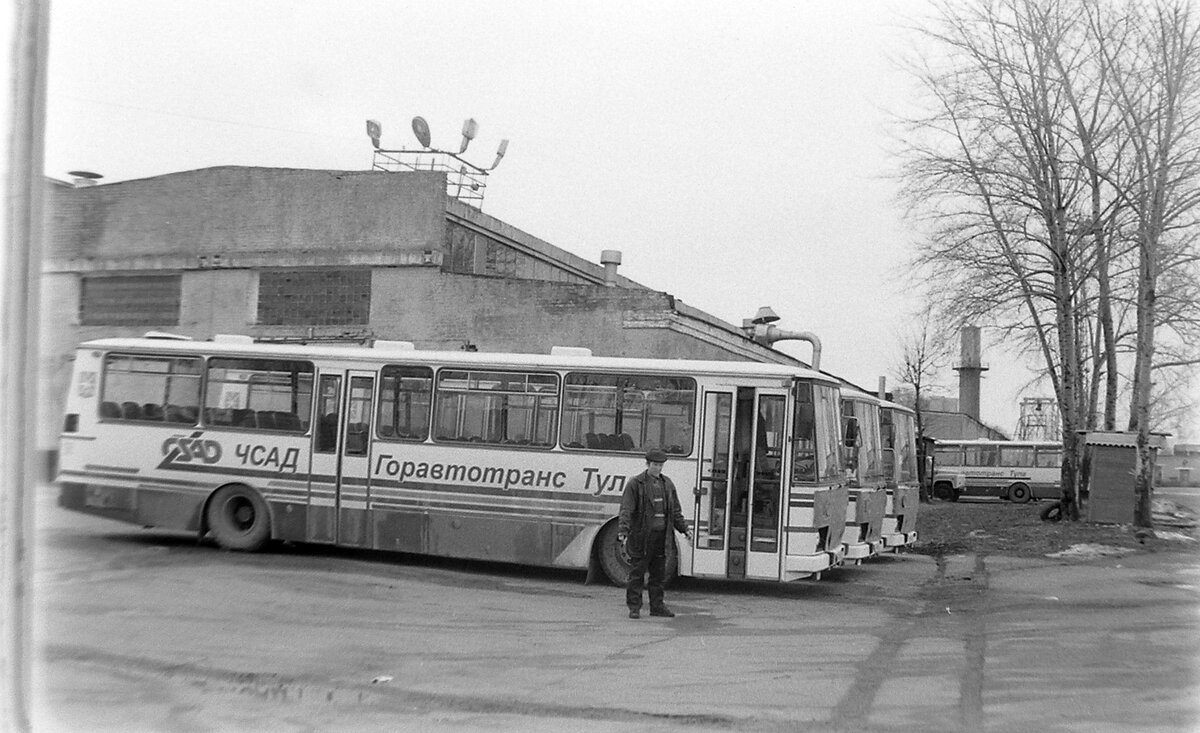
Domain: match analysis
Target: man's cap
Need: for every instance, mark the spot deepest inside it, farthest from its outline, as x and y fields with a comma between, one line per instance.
x=656, y=456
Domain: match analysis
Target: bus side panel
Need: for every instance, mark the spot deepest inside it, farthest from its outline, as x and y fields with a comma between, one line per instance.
x=103, y=501
x=289, y=520
x=169, y=509
x=398, y=531
x=531, y=542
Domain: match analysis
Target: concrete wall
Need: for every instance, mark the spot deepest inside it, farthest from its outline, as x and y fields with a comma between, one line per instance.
x=242, y=212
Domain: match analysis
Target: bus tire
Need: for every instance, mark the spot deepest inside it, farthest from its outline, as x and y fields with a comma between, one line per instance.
x=615, y=563
x=1052, y=513
x=238, y=518
x=610, y=551
x=1019, y=493
x=945, y=491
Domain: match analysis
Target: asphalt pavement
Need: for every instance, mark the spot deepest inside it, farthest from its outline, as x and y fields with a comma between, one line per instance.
x=141, y=630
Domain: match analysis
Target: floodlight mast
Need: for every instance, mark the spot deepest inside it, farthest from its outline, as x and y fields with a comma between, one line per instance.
x=471, y=178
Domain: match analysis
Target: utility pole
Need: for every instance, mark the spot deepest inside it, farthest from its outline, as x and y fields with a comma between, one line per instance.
x=21, y=265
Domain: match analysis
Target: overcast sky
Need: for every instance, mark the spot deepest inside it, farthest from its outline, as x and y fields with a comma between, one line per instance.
x=737, y=154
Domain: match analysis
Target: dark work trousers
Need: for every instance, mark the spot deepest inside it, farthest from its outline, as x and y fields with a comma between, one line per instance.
x=653, y=559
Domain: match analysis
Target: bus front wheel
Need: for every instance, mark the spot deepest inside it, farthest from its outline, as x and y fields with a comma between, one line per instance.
x=945, y=491
x=1019, y=493
x=238, y=518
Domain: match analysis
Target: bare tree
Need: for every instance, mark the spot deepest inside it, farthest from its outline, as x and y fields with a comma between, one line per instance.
x=994, y=172
x=1057, y=173
x=924, y=351
x=1155, y=88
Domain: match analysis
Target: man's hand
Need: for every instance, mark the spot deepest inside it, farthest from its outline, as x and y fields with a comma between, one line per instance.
x=688, y=534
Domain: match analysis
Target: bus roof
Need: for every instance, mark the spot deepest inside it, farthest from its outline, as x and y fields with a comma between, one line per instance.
x=394, y=352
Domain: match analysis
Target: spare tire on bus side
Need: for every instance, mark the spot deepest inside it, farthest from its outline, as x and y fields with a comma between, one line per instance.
x=238, y=518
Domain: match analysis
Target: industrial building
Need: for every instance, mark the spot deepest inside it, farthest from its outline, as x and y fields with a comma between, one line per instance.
x=319, y=255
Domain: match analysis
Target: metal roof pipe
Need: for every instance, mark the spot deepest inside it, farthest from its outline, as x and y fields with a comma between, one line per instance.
x=766, y=334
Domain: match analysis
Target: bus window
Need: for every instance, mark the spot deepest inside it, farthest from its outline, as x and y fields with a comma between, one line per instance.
x=152, y=388
x=405, y=396
x=358, y=412
x=328, y=417
x=980, y=455
x=829, y=440
x=1049, y=457
x=1020, y=457
x=948, y=455
x=804, y=433
x=500, y=408
x=628, y=412
x=263, y=394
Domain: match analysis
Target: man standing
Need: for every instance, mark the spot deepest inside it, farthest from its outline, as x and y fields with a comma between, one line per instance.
x=649, y=509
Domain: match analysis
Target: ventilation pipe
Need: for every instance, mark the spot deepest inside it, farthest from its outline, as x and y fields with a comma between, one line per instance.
x=610, y=258
x=762, y=332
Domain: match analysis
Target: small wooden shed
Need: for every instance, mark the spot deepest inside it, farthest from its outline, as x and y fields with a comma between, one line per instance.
x=1110, y=488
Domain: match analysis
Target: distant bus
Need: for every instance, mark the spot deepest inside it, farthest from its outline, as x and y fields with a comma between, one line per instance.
x=516, y=458
x=1010, y=469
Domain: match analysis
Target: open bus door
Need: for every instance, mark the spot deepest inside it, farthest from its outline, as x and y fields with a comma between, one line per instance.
x=739, y=488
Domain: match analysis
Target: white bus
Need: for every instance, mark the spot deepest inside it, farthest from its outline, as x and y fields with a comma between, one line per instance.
x=867, y=505
x=1010, y=469
x=515, y=458
x=898, y=425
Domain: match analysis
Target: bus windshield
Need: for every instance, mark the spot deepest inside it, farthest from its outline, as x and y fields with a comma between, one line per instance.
x=817, y=450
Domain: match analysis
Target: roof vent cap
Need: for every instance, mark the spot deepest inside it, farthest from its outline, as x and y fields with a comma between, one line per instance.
x=570, y=351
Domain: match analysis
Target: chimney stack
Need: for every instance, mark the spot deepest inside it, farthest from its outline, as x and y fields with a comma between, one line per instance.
x=970, y=371
x=610, y=258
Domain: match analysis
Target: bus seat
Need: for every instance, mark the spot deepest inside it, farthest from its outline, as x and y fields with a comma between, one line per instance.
x=388, y=431
x=243, y=418
x=110, y=409
x=151, y=411
x=218, y=416
x=179, y=414
x=610, y=441
x=131, y=411
x=626, y=441
x=592, y=440
x=265, y=419
x=288, y=421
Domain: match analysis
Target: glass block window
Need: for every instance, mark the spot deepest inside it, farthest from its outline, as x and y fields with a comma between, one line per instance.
x=129, y=300
x=324, y=297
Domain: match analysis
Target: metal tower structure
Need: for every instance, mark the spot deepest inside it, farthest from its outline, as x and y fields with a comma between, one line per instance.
x=465, y=180
x=1039, y=419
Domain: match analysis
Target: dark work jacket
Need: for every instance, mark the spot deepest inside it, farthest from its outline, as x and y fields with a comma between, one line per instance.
x=636, y=512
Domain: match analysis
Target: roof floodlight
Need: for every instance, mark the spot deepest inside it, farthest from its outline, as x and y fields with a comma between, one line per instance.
x=470, y=128
x=374, y=131
x=500, y=153
x=420, y=128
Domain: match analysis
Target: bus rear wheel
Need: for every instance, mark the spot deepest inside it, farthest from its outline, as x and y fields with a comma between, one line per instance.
x=614, y=560
x=1019, y=493
x=238, y=518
